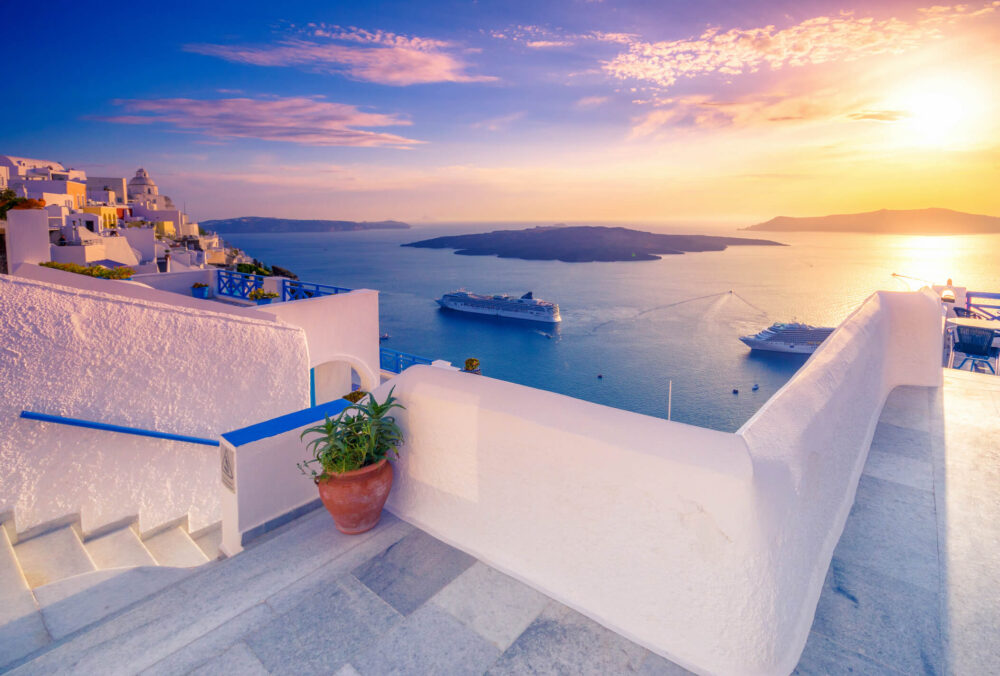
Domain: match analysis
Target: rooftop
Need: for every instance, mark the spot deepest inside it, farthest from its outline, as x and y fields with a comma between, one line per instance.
x=913, y=586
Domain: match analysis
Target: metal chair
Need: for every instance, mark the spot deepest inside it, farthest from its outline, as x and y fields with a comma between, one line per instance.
x=975, y=344
x=963, y=313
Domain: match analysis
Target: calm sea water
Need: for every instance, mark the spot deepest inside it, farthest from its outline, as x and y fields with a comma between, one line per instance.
x=639, y=324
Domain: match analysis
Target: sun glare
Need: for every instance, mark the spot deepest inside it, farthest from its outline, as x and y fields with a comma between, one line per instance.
x=939, y=112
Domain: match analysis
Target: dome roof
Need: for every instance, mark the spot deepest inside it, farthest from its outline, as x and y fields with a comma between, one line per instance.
x=141, y=178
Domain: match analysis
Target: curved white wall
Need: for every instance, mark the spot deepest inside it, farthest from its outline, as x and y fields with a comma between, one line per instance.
x=709, y=548
x=138, y=363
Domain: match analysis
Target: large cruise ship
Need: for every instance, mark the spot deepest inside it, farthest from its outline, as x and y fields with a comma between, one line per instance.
x=795, y=338
x=525, y=307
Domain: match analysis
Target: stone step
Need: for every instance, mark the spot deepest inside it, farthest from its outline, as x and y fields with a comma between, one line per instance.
x=77, y=602
x=174, y=547
x=52, y=556
x=22, y=630
x=120, y=548
x=209, y=540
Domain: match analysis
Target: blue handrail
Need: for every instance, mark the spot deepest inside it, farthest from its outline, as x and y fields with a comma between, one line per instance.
x=989, y=310
x=237, y=284
x=76, y=422
x=295, y=290
x=397, y=362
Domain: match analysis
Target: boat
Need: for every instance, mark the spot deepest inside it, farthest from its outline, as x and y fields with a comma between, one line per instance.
x=794, y=338
x=526, y=307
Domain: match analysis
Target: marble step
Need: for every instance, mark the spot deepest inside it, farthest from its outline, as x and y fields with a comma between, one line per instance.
x=77, y=602
x=209, y=541
x=53, y=556
x=174, y=547
x=22, y=630
x=120, y=548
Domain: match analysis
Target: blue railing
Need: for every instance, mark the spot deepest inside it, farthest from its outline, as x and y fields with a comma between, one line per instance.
x=295, y=290
x=237, y=284
x=990, y=310
x=76, y=422
x=397, y=362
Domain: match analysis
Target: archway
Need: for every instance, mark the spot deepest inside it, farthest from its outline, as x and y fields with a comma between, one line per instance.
x=335, y=378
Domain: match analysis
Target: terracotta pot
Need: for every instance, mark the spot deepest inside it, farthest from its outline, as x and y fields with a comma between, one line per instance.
x=355, y=499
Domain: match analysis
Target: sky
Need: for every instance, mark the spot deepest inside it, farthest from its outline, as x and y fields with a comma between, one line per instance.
x=563, y=110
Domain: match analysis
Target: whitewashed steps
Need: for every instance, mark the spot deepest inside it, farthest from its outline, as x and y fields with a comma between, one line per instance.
x=120, y=548
x=22, y=631
x=174, y=547
x=52, y=556
x=209, y=540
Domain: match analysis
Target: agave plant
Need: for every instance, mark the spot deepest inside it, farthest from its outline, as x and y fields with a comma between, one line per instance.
x=361, y=435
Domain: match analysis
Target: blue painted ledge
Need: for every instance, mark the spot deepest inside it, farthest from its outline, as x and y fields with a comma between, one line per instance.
x=90, y=424
x=285, y=423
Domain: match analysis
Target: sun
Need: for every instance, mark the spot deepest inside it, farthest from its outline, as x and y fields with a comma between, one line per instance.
x=943, y=111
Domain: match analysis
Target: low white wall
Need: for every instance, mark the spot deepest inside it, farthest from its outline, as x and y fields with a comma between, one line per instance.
x=343, y=327
x=132, y=362
x=708, y=548
x=27, y=236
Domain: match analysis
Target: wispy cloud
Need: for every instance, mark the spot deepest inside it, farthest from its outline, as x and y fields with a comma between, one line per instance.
x=499, y=123
x=591, y=101
x=301, y=120
x=371, y=56
x=879, y=115
x=814, y=41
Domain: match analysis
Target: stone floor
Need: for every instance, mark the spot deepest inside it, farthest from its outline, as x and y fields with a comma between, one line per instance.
x=914, y=587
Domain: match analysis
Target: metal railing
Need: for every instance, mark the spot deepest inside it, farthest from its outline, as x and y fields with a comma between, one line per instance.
x=295, y=290
x=397, y=362
x=237, y=284
x=991, y=310
x=106, y=427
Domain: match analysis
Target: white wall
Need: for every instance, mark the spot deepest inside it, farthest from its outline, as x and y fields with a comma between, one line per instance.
x=343, y=327
x=142, y=240
x=708, y=548
x=27, y=236
x=137, y=363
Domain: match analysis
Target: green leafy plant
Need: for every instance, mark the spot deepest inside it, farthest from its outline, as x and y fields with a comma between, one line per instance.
x=471, y=364
x=199, y=285
x=91, y=270
x=259, y=294
x=361, y=435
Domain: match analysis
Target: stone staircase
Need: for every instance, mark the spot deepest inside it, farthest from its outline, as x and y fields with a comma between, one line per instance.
x=55, y=579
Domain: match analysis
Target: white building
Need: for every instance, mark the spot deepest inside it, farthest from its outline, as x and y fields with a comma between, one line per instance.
x=35, y=179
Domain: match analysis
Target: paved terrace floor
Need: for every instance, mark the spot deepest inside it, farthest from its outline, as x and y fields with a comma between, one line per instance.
x=914, y=586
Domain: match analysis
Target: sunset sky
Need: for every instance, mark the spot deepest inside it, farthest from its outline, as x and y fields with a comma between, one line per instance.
x=567, y=110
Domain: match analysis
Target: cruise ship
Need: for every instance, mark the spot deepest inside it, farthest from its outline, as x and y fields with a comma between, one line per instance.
x=795, y=338
x=525, y=307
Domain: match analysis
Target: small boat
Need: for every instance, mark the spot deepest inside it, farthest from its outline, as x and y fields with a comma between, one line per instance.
x=384, y=336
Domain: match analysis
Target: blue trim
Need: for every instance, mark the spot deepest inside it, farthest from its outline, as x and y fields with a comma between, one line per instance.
x=295, y=290
x=312, y=387
x=285, y=423
x=76, y=422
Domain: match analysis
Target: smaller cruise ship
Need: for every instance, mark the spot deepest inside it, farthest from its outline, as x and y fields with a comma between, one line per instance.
x=794, y=338
x=526, y=307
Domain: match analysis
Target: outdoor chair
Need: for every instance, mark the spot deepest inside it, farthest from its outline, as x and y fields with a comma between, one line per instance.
x=975, y=344
x=963, y=313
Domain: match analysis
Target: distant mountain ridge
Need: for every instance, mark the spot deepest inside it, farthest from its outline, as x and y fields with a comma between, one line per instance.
x=267, y=224
x=889, y=222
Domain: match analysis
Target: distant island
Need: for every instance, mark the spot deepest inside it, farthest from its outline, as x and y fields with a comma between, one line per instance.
x=264, y=224
x=889, y=222
x=582, y=244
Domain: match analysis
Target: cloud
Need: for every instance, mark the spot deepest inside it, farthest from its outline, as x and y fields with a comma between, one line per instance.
x=879, y=115
x=591, y=101
x=302, y=120
x=499, y=123
x=547, y=44
x=814, y=41
x=379, y=56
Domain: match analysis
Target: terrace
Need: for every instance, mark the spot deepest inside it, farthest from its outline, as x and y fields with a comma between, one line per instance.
x=854, y=515
x=912, y=588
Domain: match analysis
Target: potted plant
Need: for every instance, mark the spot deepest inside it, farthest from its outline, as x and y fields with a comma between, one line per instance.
x=472, y=366
x=199, y=290
x=261, y=296
x=352, y=453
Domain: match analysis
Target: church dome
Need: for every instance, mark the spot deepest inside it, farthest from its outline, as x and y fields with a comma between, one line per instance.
x=142, y=184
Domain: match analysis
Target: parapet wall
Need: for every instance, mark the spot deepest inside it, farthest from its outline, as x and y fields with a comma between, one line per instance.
x=706, y=547
x=138, y=363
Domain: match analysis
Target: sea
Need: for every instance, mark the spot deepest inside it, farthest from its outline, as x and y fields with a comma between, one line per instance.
x=655, y=337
